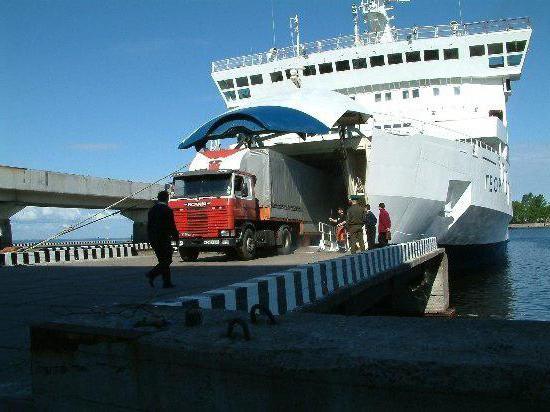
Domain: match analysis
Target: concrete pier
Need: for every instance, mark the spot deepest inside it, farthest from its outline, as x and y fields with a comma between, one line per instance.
x=305, y=362
x=7, y=210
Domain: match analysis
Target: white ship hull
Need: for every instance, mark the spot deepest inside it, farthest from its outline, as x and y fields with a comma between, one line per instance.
x=436, y=187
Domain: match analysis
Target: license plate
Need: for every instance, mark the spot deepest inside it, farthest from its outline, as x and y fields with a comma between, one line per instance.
x=212, y=242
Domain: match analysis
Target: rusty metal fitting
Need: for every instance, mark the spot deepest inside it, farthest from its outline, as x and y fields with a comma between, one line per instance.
x=257, y=308
x=193, y=317
x=238, y=321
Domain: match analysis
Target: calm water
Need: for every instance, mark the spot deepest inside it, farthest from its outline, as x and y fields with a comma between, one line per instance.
x=515, y=285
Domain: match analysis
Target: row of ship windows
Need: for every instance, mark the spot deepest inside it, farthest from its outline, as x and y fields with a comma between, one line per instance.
x=494, y=50
x=393, y=126
x=414, y=93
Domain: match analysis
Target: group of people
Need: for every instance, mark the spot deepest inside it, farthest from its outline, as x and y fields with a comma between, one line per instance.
x=161, y=229
x=351, y=225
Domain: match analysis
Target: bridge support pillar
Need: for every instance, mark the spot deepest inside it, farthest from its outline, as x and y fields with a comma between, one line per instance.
x=139, y=217
x=7, y=210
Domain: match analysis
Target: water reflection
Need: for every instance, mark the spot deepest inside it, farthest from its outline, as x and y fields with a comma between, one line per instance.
x=512, y=282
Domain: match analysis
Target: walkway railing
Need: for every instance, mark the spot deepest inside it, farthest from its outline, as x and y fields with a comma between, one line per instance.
x=329, y=241
x=343, y=42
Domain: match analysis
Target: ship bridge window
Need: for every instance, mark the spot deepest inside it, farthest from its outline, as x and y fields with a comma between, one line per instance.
x=256, y=79
x=359, y=63
x=287, y=73
x=342, y=66
x=450, y=54
x=495, y=48
x=395, y=58
x=430, y=55
x=244, y=93
x=310, y=70
x=325, y=68
x=457, y=90
x=226, y=84
x=436, y=91
x=388, y=96
x=416, y=93
x=242, y=81
x=478, y=50
x=413, y=57
x=405, y=94
x=377, y=61
x=230, y=95
x=515, y=46
x=514, y=60
x=378, y=97
x=276, y=77
x=497, y=61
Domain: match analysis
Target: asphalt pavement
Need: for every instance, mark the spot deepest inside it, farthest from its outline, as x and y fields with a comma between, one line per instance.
x=33, y=294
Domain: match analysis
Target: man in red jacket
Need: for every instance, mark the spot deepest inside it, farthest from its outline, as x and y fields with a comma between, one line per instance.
x=384, y=226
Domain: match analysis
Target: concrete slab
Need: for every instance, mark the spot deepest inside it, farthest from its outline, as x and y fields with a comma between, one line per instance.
x=308, y=361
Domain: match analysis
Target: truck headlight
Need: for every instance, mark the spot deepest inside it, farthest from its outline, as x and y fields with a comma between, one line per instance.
x=224, y=233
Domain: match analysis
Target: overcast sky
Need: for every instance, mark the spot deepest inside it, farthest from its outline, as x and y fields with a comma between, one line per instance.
x=108, y=88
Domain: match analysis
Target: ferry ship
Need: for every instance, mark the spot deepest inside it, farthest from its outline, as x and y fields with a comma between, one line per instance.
x=424, y=127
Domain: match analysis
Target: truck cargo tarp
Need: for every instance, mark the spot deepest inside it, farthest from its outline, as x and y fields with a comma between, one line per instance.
x=306, y=113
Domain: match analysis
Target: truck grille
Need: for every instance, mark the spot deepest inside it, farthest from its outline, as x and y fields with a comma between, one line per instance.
x=200, y=222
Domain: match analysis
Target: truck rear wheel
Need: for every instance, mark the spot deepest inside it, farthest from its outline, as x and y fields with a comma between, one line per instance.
x=188, y=255
x=286, y=241
x=247, y=249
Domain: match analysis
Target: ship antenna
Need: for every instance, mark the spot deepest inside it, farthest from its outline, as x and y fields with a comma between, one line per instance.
x=355, y=12
x=273, y=21
x=295, y=28
x=460, y=11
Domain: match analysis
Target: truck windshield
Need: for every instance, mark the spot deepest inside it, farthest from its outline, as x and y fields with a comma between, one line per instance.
x=202, y=186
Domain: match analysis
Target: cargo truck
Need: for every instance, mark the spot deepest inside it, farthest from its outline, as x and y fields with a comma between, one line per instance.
x=238, y=201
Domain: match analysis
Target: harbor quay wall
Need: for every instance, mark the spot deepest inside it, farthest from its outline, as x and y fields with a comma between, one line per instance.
x=304, y=362
x=415, y=271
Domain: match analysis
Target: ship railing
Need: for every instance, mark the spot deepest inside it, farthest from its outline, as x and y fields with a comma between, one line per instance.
x=397, y=35
x=479, y=143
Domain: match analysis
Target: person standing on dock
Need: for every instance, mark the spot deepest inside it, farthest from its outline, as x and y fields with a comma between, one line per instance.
x=370, y=227
x=161, y=229
x=384, y=226
x=341, y=233
x=354, y=221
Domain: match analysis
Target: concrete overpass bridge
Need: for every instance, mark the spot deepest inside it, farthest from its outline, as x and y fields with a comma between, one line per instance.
x=20, y=187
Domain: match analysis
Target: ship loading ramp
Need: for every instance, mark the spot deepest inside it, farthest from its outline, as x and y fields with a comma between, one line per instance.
x=318, y=128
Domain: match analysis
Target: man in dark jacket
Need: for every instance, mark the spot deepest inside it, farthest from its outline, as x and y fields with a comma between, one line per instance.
x=370, y=226
x=161, y=229
x=354, y=222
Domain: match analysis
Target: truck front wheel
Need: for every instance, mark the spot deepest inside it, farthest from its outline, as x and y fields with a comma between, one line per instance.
x=247, y=248
x=188, y=255
x=286, y=241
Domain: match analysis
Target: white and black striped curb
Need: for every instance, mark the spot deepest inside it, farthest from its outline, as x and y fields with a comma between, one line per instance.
x=304, y=285
x=68, y=254
x=75, y=243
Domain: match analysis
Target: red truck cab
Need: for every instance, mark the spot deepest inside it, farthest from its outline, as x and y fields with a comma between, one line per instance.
x=216, y=210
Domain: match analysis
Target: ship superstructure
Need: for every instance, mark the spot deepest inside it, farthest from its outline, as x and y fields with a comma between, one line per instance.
x=436, y=148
